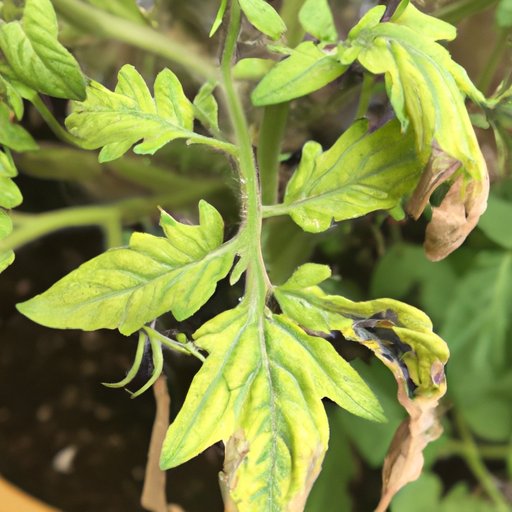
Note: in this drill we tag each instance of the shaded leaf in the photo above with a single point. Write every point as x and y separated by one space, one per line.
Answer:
307 69
125 288
316 18
117 120
359 174
35 56
455 217
504 14
264 17
13 135
10 96
260 392
495 222
426 87
127 9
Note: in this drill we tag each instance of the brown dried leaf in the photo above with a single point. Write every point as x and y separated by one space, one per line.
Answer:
455 217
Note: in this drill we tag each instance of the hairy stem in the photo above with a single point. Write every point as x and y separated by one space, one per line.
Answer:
101 23
275 116
257 281
477 466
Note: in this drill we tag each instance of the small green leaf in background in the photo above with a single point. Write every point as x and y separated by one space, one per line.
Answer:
13 135
495 222
316 18
6 259
477 325
5 224
260 392
10 96
125 288
264 17
117 120
206 107
425 86
504 14
35 56
218 17
252 68
404 269
362 172
10 195
307 69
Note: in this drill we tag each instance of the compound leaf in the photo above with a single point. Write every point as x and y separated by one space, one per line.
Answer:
426 87
307 69
125 288
359 174
260 392
117 120
264 17
35 56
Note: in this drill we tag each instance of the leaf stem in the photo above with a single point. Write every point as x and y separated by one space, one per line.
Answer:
185 348
486 451
103 24
500 46
453 12
53 124
275 117
109 217
365 95
477 466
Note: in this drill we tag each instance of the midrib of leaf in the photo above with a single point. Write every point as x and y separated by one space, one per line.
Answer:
162 277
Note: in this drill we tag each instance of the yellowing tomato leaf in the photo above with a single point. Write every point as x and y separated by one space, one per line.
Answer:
127 287
307 69
117 120
362 172
35 56
260 392
425 86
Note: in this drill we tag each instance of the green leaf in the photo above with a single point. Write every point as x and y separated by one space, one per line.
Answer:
218 17
316 18
36 57
426 87
260 392
7 167
404 270
12 135
264 17
11 97
117 120
10 195
252 68
359 174
6 259
127 9
307 69
205 106
5 224
125 288
504 14
495 222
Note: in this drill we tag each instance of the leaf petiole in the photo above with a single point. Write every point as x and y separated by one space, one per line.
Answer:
188 348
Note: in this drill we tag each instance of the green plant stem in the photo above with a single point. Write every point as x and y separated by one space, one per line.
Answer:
53 124
491 452
366 95
274 120
103 24
109 217
494 60
477 466
453 12
257 284
185 348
